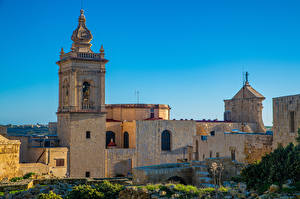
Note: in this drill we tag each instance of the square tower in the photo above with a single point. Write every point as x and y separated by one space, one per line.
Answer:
81 112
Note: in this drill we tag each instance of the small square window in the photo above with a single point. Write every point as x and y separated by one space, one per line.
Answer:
212 133
60 162
88 135
87 174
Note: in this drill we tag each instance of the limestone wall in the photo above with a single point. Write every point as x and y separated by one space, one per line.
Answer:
86 155
9 158
247 147
37 168
119 162
282 108
24 147
207 127
148 141
130 112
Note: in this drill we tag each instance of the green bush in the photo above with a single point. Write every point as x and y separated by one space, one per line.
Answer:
49 195
16 179
85 192
109 190
275 168
28 175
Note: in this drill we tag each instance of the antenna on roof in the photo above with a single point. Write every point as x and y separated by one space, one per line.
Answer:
82 4
137 94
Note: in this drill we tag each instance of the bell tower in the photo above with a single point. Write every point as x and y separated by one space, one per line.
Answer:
81 112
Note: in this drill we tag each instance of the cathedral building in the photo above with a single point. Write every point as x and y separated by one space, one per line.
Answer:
108 140
95 139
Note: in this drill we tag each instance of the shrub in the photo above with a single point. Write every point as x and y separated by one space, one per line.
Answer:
16 179
49 195
109 190
85 192
28 175
274 168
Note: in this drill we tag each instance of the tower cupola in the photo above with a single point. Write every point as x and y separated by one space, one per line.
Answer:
81 36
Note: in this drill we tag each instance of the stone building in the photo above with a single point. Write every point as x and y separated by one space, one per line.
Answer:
246 107
286 119
109 140
9 157
95 139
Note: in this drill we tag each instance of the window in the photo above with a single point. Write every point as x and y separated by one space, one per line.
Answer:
203 137
60 162
212 133
232 155
210 154
292 121
152 113
197 151
203 157
88 135
110 136
87 174
165 141
217 154
126 140
86 95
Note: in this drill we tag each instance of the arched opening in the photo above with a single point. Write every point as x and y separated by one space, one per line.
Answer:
166 141
110 136
66 92
126 140
86 86
197 150
176 180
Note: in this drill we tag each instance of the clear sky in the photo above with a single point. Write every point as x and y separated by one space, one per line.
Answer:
188 54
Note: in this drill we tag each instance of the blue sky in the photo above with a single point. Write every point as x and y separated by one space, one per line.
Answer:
188 54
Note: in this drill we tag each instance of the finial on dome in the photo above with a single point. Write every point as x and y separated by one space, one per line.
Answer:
81 36
102 49
62 51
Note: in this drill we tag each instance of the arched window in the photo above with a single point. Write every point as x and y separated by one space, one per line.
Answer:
126 140
86 95
166 141
66 92
110 135
197 150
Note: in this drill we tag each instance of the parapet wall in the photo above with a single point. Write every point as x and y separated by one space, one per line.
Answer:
119 162
9 158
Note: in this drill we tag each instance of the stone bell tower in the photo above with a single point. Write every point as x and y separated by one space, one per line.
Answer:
81 112
246 107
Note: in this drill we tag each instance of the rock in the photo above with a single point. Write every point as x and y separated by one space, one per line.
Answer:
264 196
162 193
273 188
286 186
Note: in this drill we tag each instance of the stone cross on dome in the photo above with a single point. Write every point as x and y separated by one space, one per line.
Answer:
246 78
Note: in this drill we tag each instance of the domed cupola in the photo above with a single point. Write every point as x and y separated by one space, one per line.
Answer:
82 36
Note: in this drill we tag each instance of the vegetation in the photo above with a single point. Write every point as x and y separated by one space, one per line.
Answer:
85 192
26 176
49 195
109 190
275 168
